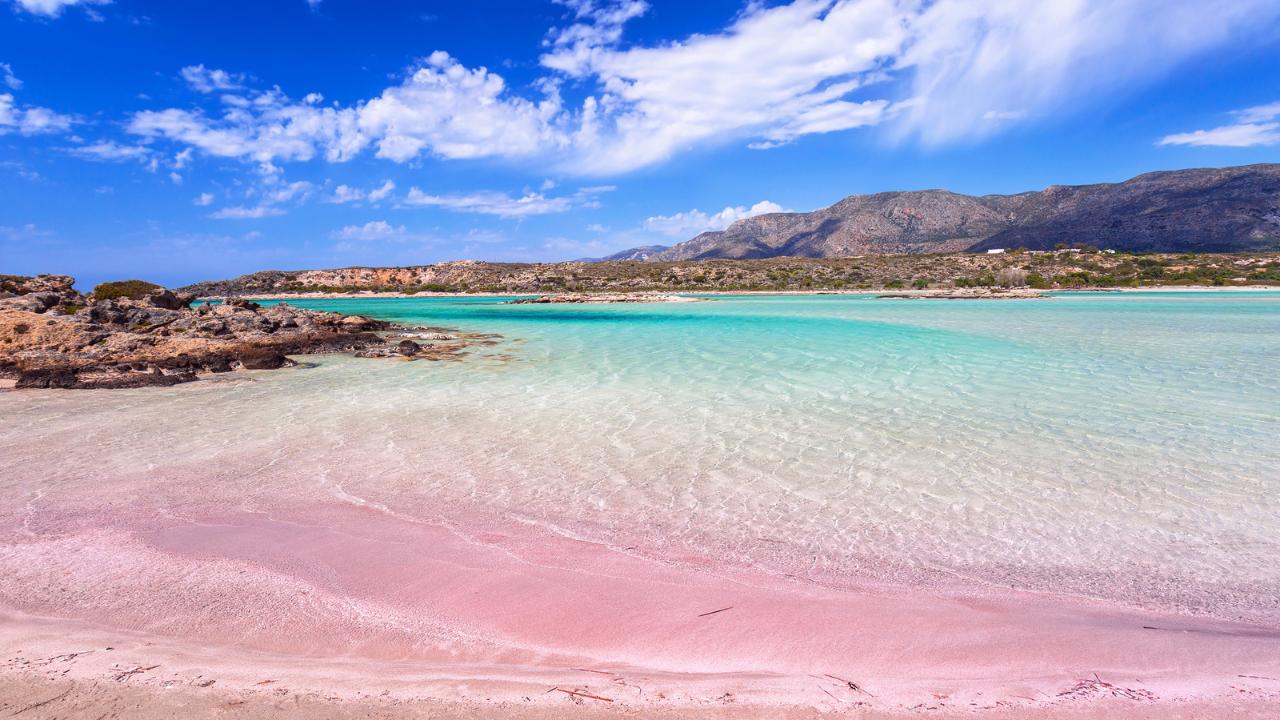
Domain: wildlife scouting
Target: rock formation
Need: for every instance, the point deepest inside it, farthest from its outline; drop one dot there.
(53, 336)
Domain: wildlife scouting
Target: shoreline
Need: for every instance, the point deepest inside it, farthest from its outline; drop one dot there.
(763, 293)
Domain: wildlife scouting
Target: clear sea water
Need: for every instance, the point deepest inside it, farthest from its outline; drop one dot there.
(1118, 446)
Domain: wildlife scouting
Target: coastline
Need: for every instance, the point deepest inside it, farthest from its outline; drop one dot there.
(763, 293)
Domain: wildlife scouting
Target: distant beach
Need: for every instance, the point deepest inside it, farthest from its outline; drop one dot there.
(765, 293)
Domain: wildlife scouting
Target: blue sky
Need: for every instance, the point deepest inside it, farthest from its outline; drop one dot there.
(179, 141)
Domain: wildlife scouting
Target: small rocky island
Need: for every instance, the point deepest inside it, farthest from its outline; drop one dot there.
(136, 334)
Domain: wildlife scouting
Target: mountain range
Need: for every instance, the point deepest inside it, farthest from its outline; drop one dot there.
(1234, 209)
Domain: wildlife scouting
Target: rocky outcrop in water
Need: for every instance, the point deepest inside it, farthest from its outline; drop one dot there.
(53, 336)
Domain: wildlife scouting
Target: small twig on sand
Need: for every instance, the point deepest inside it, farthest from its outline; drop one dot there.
(582, 694)
(713, 612)
(1258, 677)
(121, 677)
(852, 685)
(68, 656)
(598, 672)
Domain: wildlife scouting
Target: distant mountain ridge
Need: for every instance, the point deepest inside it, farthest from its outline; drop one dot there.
(1234, 209)
(643, 252)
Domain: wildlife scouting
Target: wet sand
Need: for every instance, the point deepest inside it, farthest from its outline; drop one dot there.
(360, 611)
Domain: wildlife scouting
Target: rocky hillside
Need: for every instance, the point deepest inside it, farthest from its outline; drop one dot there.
(1065, 269)
(1209, 210)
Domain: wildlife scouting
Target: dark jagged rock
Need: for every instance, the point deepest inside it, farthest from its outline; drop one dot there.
(157, 339)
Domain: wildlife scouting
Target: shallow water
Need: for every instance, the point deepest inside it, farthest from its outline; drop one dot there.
(1119, 446)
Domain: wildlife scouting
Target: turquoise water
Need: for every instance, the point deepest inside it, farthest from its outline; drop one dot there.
(1118, 446)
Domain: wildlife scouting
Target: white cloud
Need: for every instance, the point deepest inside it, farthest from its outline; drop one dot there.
(204, 80)
(109, 151)
(203, 199)
(492, 203)
(690, 223)
(246, 213)
(378, 234)
(967, 58)
(288, 192)
(452, 111)
(503, 205)
(30, 120)
(373, 230)
(267, 128)
(598, 23)
(937, 72)
(53, 8)
(772, 75)
(347, 194)
(1259, 113)
(382, 192)
(1259, 125)
(1242, 135)
(9, 79)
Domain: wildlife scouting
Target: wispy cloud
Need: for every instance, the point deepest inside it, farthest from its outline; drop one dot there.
(507, 206)
(110, 152)
(1259, 125)
(54, 8)
(241, 212)
(343, 194)
(30, 120)
(204, 80)
(10, 80)
(372, 230)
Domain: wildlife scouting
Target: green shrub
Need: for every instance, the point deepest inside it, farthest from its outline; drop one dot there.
(894, 284)
(920, 283)
(132, 289)
(1038, 281)
(11, 283)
